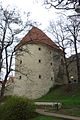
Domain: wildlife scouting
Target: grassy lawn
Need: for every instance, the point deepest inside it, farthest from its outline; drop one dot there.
(60, 94)
(70, 99)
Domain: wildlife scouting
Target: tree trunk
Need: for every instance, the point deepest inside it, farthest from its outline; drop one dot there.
(3, 86)
(78, 67)
(67, 73)
(77, 60)
(2, 90)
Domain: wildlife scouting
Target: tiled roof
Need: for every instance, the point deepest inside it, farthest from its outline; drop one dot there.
(36, 35)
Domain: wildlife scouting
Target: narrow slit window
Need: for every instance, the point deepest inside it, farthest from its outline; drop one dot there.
(39, 76)
(39, 61)
(51, 78)
(20, 61)
(51, 63)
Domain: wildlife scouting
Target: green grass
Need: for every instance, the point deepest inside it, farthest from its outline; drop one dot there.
(60, 94)
(70, 99)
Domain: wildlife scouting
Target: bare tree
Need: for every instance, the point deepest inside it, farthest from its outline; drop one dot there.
(61, 38)
(11, 25)
(66, 36)
(74, 28)
(62, 4)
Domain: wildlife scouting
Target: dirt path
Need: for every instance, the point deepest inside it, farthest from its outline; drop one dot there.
(43, 112)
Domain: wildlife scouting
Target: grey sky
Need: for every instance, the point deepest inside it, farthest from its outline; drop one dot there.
(37, 9)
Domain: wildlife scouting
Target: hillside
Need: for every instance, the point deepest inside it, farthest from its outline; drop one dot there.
(64, 94)
(68, 96)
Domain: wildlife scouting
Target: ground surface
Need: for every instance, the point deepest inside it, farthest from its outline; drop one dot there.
(68, 95)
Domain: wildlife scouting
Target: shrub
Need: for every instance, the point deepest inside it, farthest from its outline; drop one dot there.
(17, 108)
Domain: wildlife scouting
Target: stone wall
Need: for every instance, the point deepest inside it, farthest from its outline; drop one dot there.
(72, 69)
(37, 67)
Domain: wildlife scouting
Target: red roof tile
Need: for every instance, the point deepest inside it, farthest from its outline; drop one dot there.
(36, 35)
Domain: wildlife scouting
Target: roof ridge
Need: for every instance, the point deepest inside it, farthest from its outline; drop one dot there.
(37, 35)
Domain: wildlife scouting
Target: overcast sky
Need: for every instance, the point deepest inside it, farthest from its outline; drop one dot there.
(37, 9)
(38, 12)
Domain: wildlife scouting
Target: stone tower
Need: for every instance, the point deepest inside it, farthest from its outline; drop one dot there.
(38, 60)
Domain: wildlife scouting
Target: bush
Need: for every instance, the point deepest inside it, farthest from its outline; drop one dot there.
(17, 108)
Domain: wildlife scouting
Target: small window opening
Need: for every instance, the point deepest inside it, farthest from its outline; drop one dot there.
(39, 61)
(19, 77)
(51, 78)
(39, 76)
(51, 63)
(39, 48)
(20, 61)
